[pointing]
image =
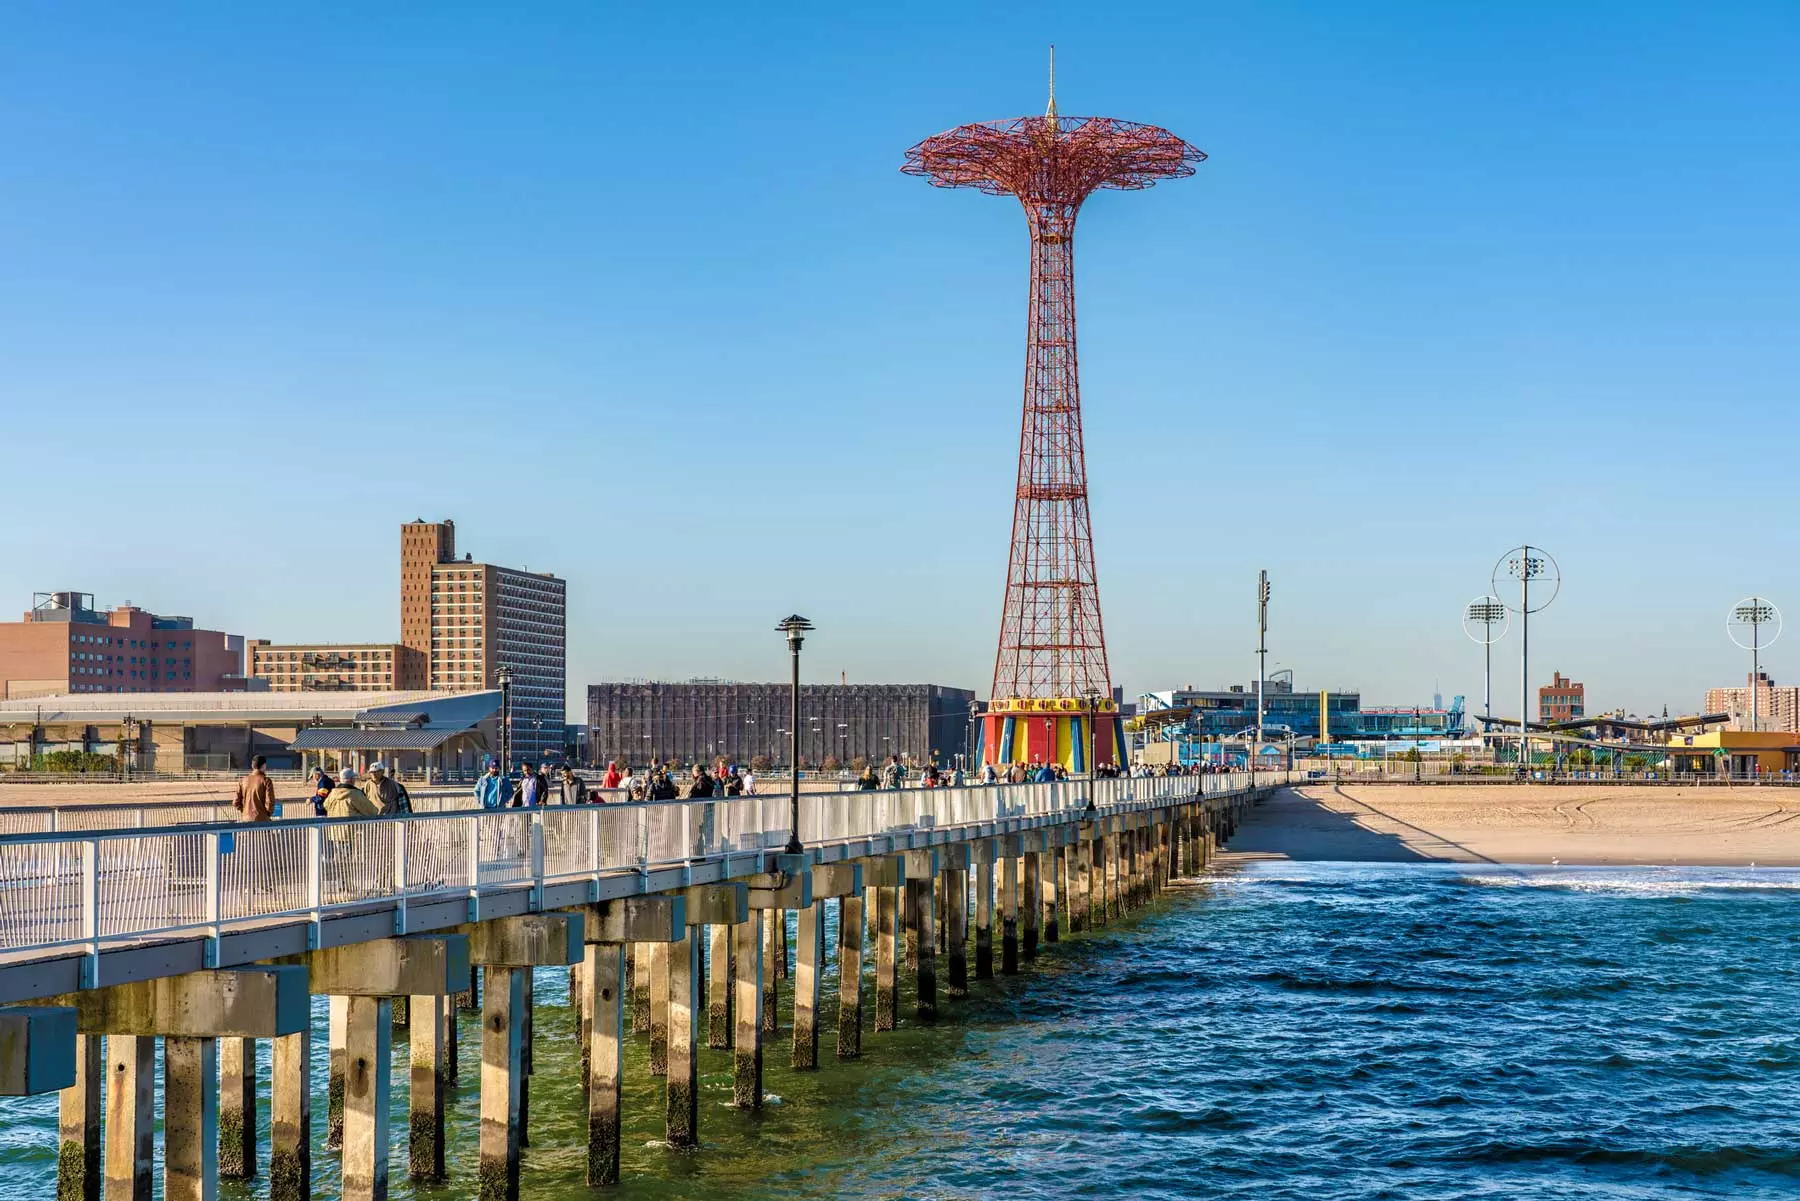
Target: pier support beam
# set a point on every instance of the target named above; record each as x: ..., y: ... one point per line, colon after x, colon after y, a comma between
x: 78, y: 1106
x: 337, y: 1013
x: 984, y: 909
x: 1078, y: 878
x: 747, y: 1044
x: 237, y: 1108
x: 887, y: 955
x: 1031, y: 903
x: 130, y: 1117
x: 774, y: 949
x: 191, y: 1119
x: 921, y: 875
x: 659, y: 1007
x: 290, y: 1117
x: 1052, y: 889
x: 508, y: 949
x: 681, y: 1122
x: 1009, y: 905
x: 428, y: 1045
x: 850, y: 957
x: 833, y: 880
x: 368, y: 1055
x: 956, y: 928
x: 608, y: 929
x: 718, y: 1002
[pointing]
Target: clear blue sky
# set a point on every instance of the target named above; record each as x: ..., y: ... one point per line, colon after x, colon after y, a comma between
x: 637, y: 294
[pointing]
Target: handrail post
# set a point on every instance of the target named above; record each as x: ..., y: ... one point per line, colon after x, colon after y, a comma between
x: 214, y: 872
x: 400, y: 826
x: 90, y: 910
x: 537, y: 860
x: 315, y: 870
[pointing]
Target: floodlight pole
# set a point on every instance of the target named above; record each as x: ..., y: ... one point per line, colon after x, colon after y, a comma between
x: 1524, y: 660
x: 1755, y: 666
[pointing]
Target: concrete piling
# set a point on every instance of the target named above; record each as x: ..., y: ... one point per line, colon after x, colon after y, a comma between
x: 640, y: 989
x: 290, y: 1117
x: 427, y: 1044
x: 605, y: 982
x: 1009, y: 908
x: 1051, y: 886
x: 719, y: 994
x: 887, y: 954
x: 130, y: 1117
x: 1078, y: 881
x: 956, y: 930
x: 191, y: 1119
x: 1030, y: 902
x: 774, y: 950
x: 681, y: 1122
x: 850, y: 956
x: 502, y: 1070
x: 926, y: 968
x: 78, y: 1125
x: 659, y: 1009
x: 747, y: 1045
x: 368, y: 1042
x: 809, y: 970
x: 237, y: 1108
x: 338, y: 1011
x: 984, y: 910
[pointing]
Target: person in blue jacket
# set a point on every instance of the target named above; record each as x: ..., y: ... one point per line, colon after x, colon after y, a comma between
x: 490, y: 789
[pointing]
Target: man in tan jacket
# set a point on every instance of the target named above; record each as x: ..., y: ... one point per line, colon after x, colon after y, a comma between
x: 347, y: 800
x: 256, y: 793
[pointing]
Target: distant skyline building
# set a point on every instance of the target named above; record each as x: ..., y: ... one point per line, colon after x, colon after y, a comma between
x: 1561, y: 700
x: 702, y: 720
x: 469, y: 619
x: 1777, y: 706
x: 66, y: 644
x: 334, y: 666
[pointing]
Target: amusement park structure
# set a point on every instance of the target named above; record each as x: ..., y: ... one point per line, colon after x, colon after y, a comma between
x: 1052, y: 696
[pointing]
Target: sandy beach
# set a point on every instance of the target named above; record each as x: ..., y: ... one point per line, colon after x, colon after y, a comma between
x: 1396, y: 823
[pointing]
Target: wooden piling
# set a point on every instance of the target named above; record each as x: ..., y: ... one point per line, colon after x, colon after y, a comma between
x: 984, y: 911
x: 956, y: 929
x: 605, y: 980
x: 659, y: 1008
x: 887, y: 954
x: 426, y: 1044
x: 719, y: 973
x: 809, y: 969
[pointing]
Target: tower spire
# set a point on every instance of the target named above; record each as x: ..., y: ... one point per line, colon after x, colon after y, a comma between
x: 1051, y: 110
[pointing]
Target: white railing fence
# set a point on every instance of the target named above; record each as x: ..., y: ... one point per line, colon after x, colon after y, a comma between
x: 87, y: 890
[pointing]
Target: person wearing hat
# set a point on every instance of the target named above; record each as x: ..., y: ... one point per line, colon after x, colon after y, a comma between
x: 386, y: 791
x: 490, y: 789
x: 347, y: 800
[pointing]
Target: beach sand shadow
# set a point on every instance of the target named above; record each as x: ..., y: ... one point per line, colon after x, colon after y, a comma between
x: 1297, y: 823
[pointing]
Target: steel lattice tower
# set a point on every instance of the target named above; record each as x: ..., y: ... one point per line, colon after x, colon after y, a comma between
x: 1052, y: 644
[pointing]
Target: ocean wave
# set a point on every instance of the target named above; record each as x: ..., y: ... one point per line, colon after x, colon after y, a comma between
x: 1698, y: 1159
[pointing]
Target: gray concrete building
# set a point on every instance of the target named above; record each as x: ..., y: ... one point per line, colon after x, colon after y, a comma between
x: 705, y: 719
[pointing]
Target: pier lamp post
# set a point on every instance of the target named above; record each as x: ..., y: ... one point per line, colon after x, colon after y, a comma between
x: 1752, y: 624
x: 795, y: 627
x: 1093, y: 764
x: 1539, y: 581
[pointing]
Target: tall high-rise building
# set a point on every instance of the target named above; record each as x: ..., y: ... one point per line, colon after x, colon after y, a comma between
x: 471, y: 619
x: 1777, y: 705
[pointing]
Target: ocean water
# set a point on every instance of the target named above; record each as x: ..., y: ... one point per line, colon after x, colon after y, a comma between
x: 1275, y: 1030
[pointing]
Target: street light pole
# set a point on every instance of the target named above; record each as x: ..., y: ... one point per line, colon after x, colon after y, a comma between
x: 1093, y: 764
x: 795, y: 627
x: 504, y: 677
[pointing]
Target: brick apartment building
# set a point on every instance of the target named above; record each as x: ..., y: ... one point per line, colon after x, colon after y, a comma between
x: 1777, y: 706
x: 66, y: 644
x: 468, y: 620
x: 1562, y: 700
x: 335, y: 666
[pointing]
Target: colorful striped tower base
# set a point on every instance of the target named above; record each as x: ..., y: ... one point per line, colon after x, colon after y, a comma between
x: 1036, y: 730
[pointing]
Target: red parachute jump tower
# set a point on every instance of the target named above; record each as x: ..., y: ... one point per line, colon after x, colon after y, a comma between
x: 1050, y: 675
